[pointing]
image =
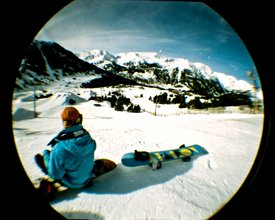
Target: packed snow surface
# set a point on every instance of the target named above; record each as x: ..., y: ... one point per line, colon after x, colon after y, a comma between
x: 179, y: 190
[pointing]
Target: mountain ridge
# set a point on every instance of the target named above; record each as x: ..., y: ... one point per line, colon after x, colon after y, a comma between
x: 47, y: 62
x: 132, y: 60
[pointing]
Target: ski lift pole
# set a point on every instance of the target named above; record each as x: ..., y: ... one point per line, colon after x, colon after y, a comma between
x: 34, y: 101
x: 156, y: 106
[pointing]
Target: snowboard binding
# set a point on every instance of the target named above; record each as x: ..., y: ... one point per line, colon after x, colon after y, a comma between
x: 141, y: 156
x: 155, y: 164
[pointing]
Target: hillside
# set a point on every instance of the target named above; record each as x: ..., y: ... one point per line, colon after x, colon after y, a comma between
x: 47, y: 63
x: 192, y: 190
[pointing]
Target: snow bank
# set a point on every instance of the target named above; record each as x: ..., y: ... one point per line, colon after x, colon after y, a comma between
x: 72, y: 98
x: 59, y: 99
x: 23, y: 114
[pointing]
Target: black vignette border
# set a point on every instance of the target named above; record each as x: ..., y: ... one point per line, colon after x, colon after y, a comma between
x: 21, y: 21
x: 253, y: 22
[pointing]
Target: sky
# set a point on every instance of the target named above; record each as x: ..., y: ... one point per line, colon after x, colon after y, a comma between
x: 178, y: 29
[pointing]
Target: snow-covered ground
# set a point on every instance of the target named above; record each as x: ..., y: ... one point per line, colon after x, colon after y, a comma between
x: 193, y: 190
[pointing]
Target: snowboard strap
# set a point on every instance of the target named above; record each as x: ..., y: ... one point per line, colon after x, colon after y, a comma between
x: 67, y: 136
x: 71, y: 135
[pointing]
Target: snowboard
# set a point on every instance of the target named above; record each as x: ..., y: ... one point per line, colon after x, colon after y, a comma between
x: 155, y: 159
x: 49, y: 188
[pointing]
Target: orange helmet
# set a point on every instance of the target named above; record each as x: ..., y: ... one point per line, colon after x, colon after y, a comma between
x: 71, y: 116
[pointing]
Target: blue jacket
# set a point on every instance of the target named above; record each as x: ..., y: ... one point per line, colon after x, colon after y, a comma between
x: 71, y: 160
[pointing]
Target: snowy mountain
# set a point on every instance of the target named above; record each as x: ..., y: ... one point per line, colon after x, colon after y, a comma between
x: 178, y: 74
x: 47, y: 62
x: 144, y: 66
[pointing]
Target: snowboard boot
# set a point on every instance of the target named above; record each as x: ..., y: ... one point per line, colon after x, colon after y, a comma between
x: 186, y: 159
x: 182, y: 146
x: 47, y: 190
x: 39, y: 159
x: 141, y: 155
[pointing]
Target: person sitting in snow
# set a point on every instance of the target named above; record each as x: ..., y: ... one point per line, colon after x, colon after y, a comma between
x: 71, y: 160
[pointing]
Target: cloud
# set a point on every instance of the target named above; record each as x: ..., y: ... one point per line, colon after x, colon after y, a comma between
x: 189, y: 30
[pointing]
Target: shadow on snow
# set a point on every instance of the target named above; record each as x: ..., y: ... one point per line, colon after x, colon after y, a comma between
x: 125, y: 180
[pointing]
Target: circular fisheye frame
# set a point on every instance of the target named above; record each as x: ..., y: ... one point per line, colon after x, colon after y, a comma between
x: 167, y: 93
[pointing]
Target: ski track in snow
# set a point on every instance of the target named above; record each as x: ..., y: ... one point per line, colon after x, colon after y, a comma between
x: 212, y: 164
x: 193, y: 190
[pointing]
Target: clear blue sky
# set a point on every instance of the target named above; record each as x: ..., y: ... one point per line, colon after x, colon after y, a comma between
x: 189, y: 30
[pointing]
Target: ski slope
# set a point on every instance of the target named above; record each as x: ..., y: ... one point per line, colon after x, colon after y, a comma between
x: 193, y: 190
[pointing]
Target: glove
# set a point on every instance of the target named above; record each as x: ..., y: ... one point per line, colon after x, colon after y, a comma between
x: 46, y: 152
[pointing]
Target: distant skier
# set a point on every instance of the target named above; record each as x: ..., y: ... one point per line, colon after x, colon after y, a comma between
x: 71, y: 160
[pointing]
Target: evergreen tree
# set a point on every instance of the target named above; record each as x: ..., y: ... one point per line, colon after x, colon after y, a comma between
x: 195, y: 103
x: 174, y: 76
x: 119, y: 104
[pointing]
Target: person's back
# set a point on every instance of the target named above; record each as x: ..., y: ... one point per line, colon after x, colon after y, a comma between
x: 72, y: 157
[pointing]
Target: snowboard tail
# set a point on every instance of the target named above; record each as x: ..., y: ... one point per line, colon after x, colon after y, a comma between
x: 103, y: 166
x: 140, y: 158
x: 49, y: 188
